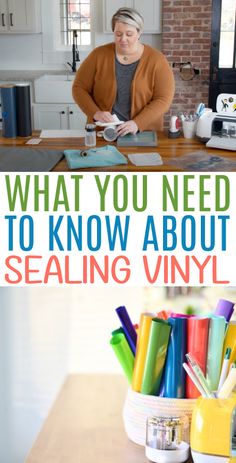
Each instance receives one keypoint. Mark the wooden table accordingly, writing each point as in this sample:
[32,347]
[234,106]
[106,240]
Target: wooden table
[85,424]
[167,148]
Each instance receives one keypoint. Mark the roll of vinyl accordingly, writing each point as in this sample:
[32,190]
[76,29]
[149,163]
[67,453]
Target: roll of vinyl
[214,351]
[230,341]
[174,376]
[123,352]
[197,344]
[225,308]
[141,351]
[9,120]
[23,110]
[156,355]
[128,327]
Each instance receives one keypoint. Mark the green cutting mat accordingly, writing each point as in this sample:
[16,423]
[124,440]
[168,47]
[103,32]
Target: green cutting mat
[145,138]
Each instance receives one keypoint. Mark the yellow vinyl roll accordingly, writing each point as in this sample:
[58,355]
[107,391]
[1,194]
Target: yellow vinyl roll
[141,350]
[230,341]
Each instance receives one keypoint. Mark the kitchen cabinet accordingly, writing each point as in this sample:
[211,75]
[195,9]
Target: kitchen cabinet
[58,116]
[150,10]
[19,16]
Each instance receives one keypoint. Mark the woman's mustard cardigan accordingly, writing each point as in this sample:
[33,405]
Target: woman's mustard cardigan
[152,88]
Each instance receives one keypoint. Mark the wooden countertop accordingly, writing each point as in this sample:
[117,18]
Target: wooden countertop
[85,424]
[167,148]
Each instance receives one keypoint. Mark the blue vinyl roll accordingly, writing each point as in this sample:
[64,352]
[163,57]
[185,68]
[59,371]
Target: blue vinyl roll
[174,375]
[9,121]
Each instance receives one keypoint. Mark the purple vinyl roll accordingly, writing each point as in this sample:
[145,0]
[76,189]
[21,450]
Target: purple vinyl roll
[127,325]
[224,308]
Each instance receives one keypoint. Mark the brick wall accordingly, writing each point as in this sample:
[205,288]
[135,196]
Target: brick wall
[187,37]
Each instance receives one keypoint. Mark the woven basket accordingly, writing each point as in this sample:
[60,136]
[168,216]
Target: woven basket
[139,406]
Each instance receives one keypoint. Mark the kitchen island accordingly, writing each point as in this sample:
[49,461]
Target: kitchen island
[169,149]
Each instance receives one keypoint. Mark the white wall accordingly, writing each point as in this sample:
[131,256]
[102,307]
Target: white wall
[37,51]
[46,333]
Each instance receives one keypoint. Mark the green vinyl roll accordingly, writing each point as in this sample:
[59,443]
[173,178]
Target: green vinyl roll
[118,331]
[156,355]
[214,351]
[124,354]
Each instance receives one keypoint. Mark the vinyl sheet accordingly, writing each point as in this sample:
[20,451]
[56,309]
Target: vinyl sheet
[174,375]
[123,352]
[156,355]
[127,325]
[214,351]
[197,343]
[224,308]
[230,341]
[141,351]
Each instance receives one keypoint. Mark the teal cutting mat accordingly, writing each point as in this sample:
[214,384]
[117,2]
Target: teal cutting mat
[145,138]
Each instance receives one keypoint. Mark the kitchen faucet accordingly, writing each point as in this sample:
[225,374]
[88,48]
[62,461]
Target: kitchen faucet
[75,52]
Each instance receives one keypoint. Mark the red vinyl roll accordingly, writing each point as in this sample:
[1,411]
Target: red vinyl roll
[197,341]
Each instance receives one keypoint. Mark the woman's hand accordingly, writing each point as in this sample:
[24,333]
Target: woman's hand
[127,127]
[103,116]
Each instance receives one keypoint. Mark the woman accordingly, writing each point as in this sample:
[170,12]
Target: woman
[125,78]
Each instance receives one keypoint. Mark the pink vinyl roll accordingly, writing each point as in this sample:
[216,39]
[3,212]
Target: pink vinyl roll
[197,342]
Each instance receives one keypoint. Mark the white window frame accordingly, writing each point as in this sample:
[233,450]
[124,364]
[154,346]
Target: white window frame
[53,51]
[79,31]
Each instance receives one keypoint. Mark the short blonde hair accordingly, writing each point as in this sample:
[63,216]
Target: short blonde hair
[128,16]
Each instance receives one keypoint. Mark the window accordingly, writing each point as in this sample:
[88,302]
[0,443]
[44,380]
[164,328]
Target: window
[227,34]
[75,16]
[223,50]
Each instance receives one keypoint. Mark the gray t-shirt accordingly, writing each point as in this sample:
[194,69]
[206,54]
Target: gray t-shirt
[124,76]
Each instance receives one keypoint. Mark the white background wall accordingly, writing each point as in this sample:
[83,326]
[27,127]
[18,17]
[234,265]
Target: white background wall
[46,333]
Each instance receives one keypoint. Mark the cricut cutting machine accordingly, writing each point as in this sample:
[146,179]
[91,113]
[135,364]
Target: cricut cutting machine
[218,128]
[213,431]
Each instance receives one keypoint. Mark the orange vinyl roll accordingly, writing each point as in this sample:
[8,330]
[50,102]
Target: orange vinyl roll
[197,342]
[163,314]
[141,350]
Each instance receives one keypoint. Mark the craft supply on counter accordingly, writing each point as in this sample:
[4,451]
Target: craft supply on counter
[23,110]
[225,367]
[145,138]
[141,351]
[197,342]
[212,436]
[174,374]
[230,341]
[123,352]
[90,135]
[96,157]
[174,129]
[224,308]
[9,119]
[164,439]
[229,384]
[193,364]
[189,128]
[145,159]
[156,356]
[128,327]
[214,350]
[110,133]
[33,141]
